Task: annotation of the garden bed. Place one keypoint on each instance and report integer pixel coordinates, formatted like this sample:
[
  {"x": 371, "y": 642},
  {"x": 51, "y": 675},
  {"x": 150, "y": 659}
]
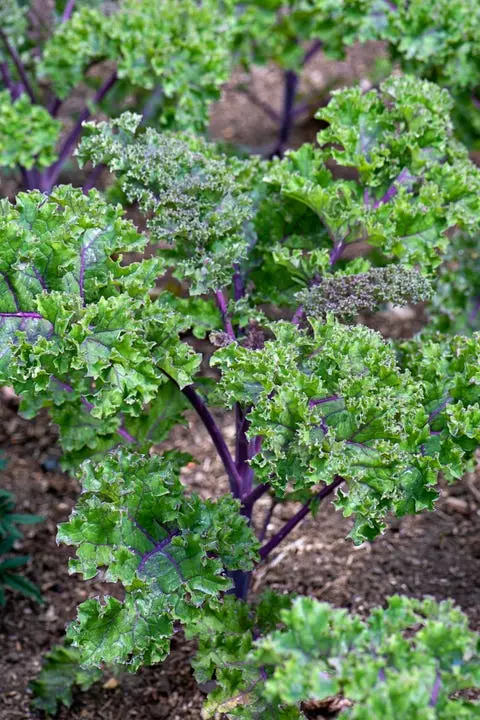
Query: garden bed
[{"x": 434, "y": 554}]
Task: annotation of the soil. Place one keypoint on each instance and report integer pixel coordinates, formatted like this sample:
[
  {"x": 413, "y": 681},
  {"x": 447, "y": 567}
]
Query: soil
[{"x": 434, "y": 554}]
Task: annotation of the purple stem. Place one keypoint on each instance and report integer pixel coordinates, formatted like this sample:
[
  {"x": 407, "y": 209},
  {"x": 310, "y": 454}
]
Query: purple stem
[
  {"x": 266, "y": 520},
  {"x": 255, "y": 494},
  {"x": 298, "y": 315},
  {"x": 21, "y": 314},
  {"x": 72, "y": 138},
  {"x": 238, "y": 284},
  {"x": 19, "y": 66},
  {"x": 67, "y": 13},
  {"x": 242, "y": 451},
  {"x": 223, "y": 305},
  {"x": 393, "y": 189},
  {"x": 437, "y": 685},
  {"x": 312, "y": 51},
  {"x": 298, "y": 517},
  {"x": 476, "y": 102},
  {"x": 216, "y": 436},
  {"x": 321, "y": 401},
  {"x": 336, "y": 253},
  {"x": 14, "y": 88},
  {"x": 142, "y": 529},
  {"x": 439, "y": 409},
  {"x": 92, "y": 178},
  {"x": 159, "y": 548},
  {"x": 290, "y": 91},
  {"x": 40, "y": 279}
]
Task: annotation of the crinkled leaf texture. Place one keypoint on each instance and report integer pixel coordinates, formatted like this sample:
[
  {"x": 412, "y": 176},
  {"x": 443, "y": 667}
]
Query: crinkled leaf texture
[
  {"x": 415, "y": 181},
  {"x": 180, "y": 47},
  {"x": 402, "y": 662},
  {"x": 336, "y": 401},
  {"x": 28, "y": 133},
  {"x": 197, "y": 214},
  {"x": 79, "y": 333},
  {"x": 268, "y": 659},
  {"x": 170, "y": 551}
]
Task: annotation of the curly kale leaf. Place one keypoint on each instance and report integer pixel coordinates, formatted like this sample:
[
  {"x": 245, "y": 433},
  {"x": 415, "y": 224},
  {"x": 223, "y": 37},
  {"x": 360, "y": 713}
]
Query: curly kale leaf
[
  {"x": 455, "y": 304},
  {"x": 78, "y": 331},
  {"x": 414, "y": 181},
  {"x": 404, "y": 661},
  {"x": 226, "y": 636},
  {"x": 435, "y": 39},
  {"x": 28, "y": 134},
  {"x": 180, "y": 47},
  {"x": 170, "y": 551},
  {"x": 447, "y": 368},
  {"x": 196, "y": 211},
  {"x": 332, "y": 403}
]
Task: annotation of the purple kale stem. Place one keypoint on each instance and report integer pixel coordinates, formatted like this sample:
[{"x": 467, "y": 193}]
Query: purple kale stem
[
  {"x": 254, "y": 495},
  {"x": 67, "y": 13},
  {"x": 223, "y": 305},
  {"x": 298, "y": 517},
  {"x": 92, "y": 178},
  {"x": 336, "y": 253},
  {"x": 314, "y": 48},
  {"x": 393, "y": 189},
  {"x": 298, "y": 315},
  {"x": 216, "y": 436},
  {"x": 8, "y": 82},
  {"x": 72, "y": 138},
  {"x": 290, "y": 91},
  {"x": 437, "y": 685},
  {"x": 159, "y": 548},
  {"x": 214, "y": 432},
  {"x": 142, "y": 529},
  {"x": 238, "y": 284},
  {"x": 21, "y": 314},
  {"x": 242, "y": 451},
  {"x": 40, "y": 279},
  {"x": 241, "y": 582},
  {"x": 19, "y": 66},
  {"x": 266, "y": 520},
  {"x": 439, "y": 409},
  {"x": 321, "y": 401},
  {"x": 126, "y": 435}
]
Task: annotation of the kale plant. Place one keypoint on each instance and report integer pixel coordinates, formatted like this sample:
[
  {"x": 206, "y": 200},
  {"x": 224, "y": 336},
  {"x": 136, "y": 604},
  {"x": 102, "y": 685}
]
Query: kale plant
[
  {"x": 324, "y": 406},
  {"x": 168, "y": 57}
]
